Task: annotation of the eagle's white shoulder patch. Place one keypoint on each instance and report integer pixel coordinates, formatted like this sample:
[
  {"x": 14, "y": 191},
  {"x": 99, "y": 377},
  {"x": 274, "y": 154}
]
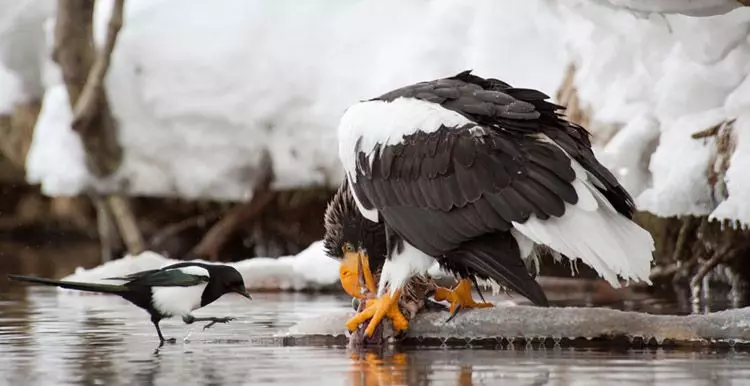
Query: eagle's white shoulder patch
[{"x": 386, "y": 123}]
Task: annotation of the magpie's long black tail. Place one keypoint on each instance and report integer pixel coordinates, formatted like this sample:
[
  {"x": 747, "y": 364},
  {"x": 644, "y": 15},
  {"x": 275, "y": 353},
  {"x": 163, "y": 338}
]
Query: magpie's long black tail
[{"x": 93, "y": 287}]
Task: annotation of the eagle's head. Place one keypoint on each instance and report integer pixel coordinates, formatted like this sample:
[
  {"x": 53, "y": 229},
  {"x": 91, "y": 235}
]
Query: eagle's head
[{"x": 353, "y": 240}]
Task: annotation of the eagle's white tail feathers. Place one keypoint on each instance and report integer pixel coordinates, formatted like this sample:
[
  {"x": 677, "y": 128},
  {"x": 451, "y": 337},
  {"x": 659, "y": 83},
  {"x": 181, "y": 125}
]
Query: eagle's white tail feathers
[{"x": 595, "y": 232}]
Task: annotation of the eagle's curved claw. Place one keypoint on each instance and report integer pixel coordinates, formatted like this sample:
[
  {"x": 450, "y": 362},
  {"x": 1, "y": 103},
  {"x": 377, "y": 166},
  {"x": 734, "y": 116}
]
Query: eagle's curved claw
[
  {"x": 385, "y": 306},
  {"x": 459, "y": 297}
]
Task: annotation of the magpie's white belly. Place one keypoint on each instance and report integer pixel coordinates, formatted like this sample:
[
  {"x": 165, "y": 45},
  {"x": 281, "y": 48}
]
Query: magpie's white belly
[{"x": 177, "y": 301}]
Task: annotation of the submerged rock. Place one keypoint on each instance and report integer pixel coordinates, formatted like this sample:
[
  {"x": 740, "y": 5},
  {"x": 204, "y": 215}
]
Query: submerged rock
[{"x": 571, "y": 326}]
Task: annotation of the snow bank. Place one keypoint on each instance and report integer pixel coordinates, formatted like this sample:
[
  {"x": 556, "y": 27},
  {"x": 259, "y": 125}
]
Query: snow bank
[
  {"x": 199, "y": 89},
  {"x": 310, "y": 270},
  {"x": 661, "y": 78},
  {"x": 22, "y": 45},
  {"x": 686, "y": 7},
  {"x": 526, "y": 323},
  {"x": 9, "y": 90}
]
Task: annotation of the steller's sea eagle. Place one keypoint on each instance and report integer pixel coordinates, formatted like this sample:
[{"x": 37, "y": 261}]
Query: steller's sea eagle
[
  {"x": 476, "y": 174},
  {"x": 359, "y": 245}
]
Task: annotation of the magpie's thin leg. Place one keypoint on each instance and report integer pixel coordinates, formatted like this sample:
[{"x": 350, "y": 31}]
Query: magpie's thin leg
[
  {"x": 189, "y": 319},
  {"x": 155, "y": 321}
]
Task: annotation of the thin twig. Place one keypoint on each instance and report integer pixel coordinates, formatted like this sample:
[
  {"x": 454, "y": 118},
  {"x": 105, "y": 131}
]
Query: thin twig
[
  {"x": 87, "y": 105},
  {"x": 706, "y": 267},
  {"x": 179, "y": 227},
  {"x": 659, "y": 272},
  {"x": 104, "y": 227},
  {"x": 687, "y": 229}
]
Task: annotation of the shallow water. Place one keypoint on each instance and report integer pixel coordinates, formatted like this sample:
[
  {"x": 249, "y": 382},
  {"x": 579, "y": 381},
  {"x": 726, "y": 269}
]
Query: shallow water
[{"x": 52, "y": 338}]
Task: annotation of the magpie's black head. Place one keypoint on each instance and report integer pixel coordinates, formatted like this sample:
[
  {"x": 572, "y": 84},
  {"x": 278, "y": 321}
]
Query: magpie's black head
[
  {"x": 349, "y": 238},
  {"x": 229, "y": 279}
]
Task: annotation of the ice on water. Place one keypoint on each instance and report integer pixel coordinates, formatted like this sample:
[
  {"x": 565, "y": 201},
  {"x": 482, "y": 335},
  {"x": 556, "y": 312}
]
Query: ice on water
[{"x": 513, "y": 322}]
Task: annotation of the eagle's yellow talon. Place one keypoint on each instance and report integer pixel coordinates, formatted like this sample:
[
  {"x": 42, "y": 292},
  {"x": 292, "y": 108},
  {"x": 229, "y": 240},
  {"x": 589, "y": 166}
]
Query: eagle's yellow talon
[
  {"x": 385, "y": 306},
  {"x": 459, "y": 296},
  {"x": 360, "y": 318}
]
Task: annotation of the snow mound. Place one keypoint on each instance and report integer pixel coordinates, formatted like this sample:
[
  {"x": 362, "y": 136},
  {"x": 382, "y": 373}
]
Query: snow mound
[
  {"x": 685, "y": 7},
  {"x": 661, "y": 75},
  {"x": 527, "y": 323},
  {"x": 200, "y": 90},
  {"x": 9, "y": 90},
  {"x": 310, "y": 270}
]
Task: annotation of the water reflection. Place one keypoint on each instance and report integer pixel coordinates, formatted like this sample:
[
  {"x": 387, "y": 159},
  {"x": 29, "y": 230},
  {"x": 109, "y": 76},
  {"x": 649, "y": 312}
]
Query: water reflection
[
  {"x": 552, "y": 367},
  {"x": 374, "y": 369},
  {"x": 53, "y": 338}
]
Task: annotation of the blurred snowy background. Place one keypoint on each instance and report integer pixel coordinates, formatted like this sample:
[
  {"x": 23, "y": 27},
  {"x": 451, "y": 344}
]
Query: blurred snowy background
[{"x": 202, "y": 90}]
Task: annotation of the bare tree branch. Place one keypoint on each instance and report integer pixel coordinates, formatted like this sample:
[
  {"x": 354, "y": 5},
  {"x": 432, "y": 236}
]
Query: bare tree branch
[
  {"x": 83, "y": 70},
  {"x": 74, "y": 51},
  {"x": 217, "y": 236},
  {"x": 88, "y": 103}
]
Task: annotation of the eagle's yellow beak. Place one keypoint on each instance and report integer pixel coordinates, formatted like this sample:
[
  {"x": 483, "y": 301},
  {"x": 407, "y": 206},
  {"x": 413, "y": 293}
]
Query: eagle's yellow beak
[{"x": 355, "y": 275}]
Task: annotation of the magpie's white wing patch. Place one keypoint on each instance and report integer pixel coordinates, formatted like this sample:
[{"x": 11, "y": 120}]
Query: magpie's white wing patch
[
  {"x": 195, "y": 270},
  {"x": 382, "y": 123}
]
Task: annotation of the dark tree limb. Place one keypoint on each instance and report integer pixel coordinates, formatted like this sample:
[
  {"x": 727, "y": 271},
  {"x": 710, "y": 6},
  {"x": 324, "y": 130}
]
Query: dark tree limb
[
  {"x": 84, "y": 70},
  {"x": 217, "y": 236},
  {"x": 687, "y": 230},
  {"x": 125, "y": 220},
  {"x": 88, "y": 103},
  {"x": 74, "y": 51},
  {"x": 174, "y": 229},
  {"x": 108, "y": 237}
]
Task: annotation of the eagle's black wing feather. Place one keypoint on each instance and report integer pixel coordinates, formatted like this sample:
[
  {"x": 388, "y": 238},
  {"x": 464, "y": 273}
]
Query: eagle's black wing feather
[
  {"x": 573, "y": 138},
  {"x": 444, "y": 202},
  {"x": 444, "y": 192}
]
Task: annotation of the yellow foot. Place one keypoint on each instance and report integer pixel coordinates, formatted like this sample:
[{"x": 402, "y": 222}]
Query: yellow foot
[
  {"x": 459, "y": 297},
  {"x": 375, "y": 310}
]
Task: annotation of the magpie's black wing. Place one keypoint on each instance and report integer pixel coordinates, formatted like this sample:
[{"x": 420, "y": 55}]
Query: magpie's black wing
[{"x": 176, "y": 275}]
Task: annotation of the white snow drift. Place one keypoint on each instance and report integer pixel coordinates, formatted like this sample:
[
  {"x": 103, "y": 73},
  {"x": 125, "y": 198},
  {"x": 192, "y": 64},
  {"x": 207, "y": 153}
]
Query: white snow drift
[
  {"x": 199, "y": 89},
  {"x": 663, "y": 77}
]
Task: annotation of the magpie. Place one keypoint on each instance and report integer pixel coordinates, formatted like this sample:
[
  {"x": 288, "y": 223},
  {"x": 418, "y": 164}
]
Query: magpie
[{"x": 173, "y": 290}]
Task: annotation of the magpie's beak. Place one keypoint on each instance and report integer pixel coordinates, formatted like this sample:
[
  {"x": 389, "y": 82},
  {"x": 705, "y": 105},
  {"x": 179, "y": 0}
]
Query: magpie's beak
[{"x": 244, "y": 293}]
